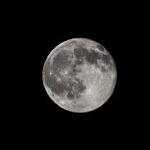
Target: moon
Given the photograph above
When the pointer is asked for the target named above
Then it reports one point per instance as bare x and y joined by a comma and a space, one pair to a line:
79, 75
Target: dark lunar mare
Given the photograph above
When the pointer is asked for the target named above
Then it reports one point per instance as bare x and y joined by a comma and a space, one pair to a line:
82, 54
106, 59
92, 57
69, 84
54, 85
75, 89
61, 61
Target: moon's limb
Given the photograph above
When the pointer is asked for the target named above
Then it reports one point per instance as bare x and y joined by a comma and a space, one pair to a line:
99, 84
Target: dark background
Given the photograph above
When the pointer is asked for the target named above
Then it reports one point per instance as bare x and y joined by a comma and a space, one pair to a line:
35, 31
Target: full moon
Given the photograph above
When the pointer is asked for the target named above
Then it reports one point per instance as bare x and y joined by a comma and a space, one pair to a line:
79, 75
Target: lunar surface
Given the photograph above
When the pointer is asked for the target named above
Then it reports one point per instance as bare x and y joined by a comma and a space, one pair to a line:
79, 75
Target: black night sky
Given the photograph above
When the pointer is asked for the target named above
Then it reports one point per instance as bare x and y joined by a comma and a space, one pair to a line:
44, 35
38, 31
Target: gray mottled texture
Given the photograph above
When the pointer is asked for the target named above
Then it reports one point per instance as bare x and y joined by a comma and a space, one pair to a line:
69, 84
